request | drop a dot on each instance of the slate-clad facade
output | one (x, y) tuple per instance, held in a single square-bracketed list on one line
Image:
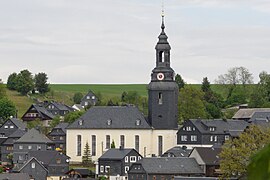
[(35, 169), (58, 136), (58, 109), (90, 99)]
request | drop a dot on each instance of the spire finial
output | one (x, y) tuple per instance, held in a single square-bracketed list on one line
[(162, 15)]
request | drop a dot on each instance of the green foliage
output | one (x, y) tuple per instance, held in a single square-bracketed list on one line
[(12, 81), (113, 145), (236, 153), (86, 158), (238, 96), (132, 97), (179, 81), (55, 121), (7, 108), (102, 178), (41, 83), (205, 85), (213, 111), (72, 116), (191, 104), (2, 91), (25, 82), (38, 125), (1, 169), (77, 98), (259, 166)]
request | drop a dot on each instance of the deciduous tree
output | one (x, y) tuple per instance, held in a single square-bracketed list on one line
[(77, 98), (72, 116), (25, 82), (41, 83), (7, 108), (12, 81)]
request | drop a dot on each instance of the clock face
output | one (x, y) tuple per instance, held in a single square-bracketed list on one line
[(160, 76)]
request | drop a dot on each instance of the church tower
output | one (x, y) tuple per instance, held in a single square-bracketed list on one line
[(163, 90)]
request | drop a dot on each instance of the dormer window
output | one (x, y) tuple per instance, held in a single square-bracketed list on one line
[(80, 122), (138, 122), (212, 129), (109, 122)]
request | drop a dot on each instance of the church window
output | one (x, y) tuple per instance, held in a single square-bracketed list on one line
[(184, 138), (160, 98), (161, 56), (79, 145), (94, 139), (108, 141), (160, 145), (122, 141), (137, 143)]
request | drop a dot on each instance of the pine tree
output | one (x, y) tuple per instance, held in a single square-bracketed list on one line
[(86, 158), (113, 145)]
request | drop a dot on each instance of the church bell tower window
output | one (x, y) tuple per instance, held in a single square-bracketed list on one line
[(160, 98), (161, 56)]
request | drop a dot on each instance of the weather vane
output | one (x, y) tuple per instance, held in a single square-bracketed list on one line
[(162, 11)]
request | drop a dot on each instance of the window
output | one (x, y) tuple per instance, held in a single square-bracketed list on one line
[(94, 142), (132, 158), (101, 169), (29, 147), (122, 141), (9, 148), (6, 127), (213, 138), (161, 56), (160, 145), (80, 122), (109, 122), (33, 165), (137, 143), (87, 97), (58, 161), (108, 141), (79, 145), (20, 157), (107, 169), (20, 147), (188, 128), (86, 103), (11, 127), (126, 159), (193, 138), (53, 138), (212, 129), (93, 97), (138, 122), (38, 147), (126, 169), (61, 146), (139, 158), (160, 98), (61, 137), (184, 138), (227, 137)]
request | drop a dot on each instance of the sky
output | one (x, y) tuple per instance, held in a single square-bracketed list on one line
[(113, 41)]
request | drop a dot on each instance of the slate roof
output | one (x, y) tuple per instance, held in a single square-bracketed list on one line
[(164, 165), (43, 111), (116, 154), (14, 176), (120, 117), (61, 106), (252, 113), (62, 126), (209, 155), (30, 159), (19, 123), (46, 157), (222, 126), (34, 136), (177, 151), (13, 137)]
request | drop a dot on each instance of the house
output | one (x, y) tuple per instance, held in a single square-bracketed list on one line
[(205, 133), (126, 125), (58, 109), (38, 111), (14, 176), (251, 114), (164, 168), (115, 163), (32, 140), (80, 173), (35, 169), (58, 136), (9, 127), (7, 146), (56, 163), (177, 151), (208, 159), (78, 107), (90, 99)]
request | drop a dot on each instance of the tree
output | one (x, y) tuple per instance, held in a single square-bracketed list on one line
[(77, 98), (55, 121), (124, 96), (7, 109), (113, 145), (179, 81), (2, 91), (72, 116), (205, 85), (236, 153), (41, 83), (191, 104), (25, 82), (265, 84), (12, 81), (86, 158)]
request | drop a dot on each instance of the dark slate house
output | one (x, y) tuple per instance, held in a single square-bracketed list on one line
[(116, 162), (90, 99), (202, 132), (38, 111), (35, 169), (58, 135), (208, 159), (58, 108), (32, 140), (55, 162), (14, 176), (164, 168), (177, 151), (252, 114), (7, 146)]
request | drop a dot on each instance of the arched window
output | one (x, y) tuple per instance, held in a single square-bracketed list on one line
[(79, 145), (161, 56)]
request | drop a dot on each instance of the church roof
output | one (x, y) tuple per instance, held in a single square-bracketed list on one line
[(111, 117)]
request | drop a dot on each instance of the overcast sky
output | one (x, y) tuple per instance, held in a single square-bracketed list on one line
[(112, 41)]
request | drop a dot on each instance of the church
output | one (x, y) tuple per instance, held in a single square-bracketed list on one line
[(126, 126)]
